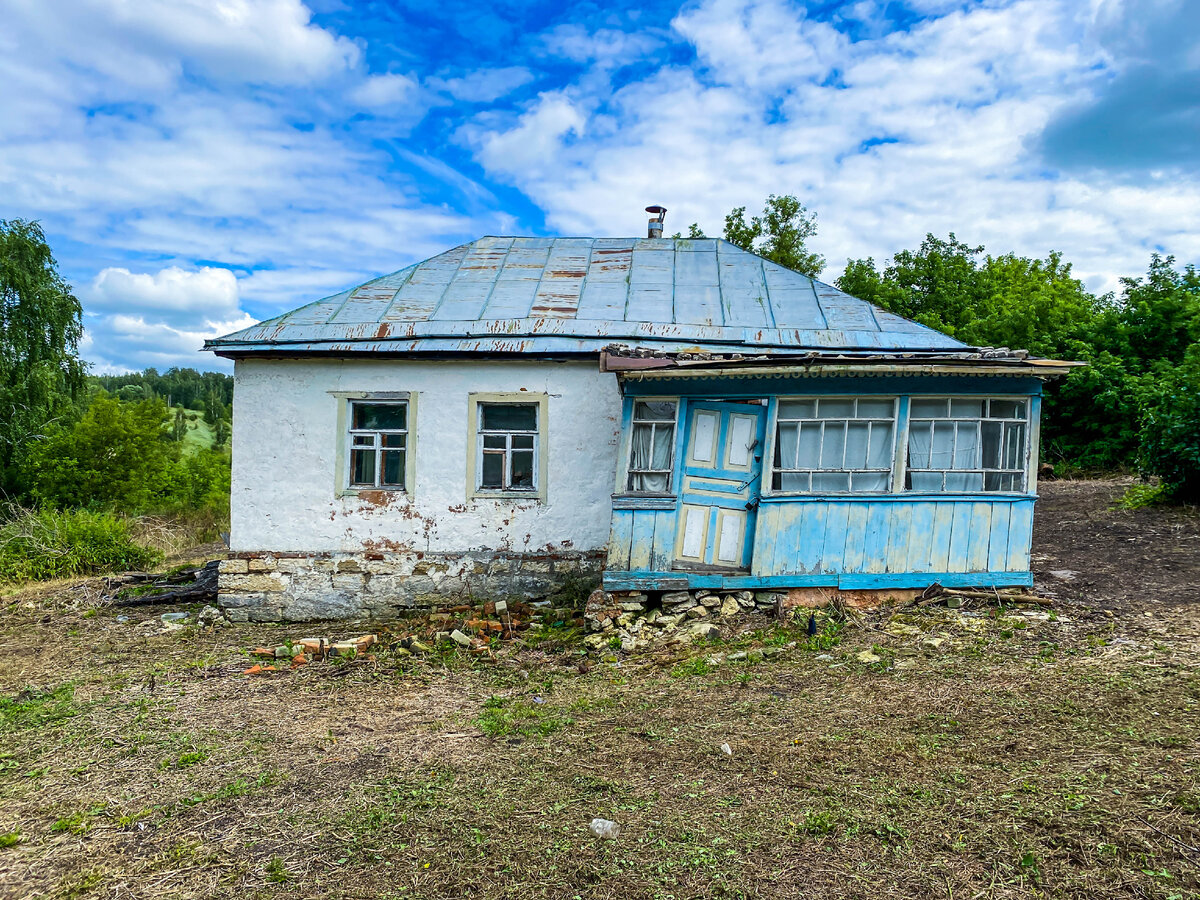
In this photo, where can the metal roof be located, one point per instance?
(580, 295)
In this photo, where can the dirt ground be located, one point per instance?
(1040, 752)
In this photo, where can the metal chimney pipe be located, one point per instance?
(655, 227)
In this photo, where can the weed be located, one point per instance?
(10, 838)
(81, 884)
(815, 823)
(502, 717)
(696, 665)
(36, 708)
(275, 871)
(185, 760)
(239, 787)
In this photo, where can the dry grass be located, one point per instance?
(1051, 762)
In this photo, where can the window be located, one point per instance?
(966, 444)
(652, 446)
(833, 444)
(508, 446)
(378, 444)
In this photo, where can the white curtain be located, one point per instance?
(650, 449)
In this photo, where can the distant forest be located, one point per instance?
(188, 388)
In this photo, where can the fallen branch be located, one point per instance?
(1001, 598)
(191, 594)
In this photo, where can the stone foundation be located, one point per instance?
(269, 587)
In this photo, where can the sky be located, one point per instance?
(199, 165)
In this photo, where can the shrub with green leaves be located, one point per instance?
(49, 544)
(1171, 432)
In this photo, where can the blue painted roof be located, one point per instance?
(581, 295)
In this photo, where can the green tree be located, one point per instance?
(780, 234)
(1171, 430)
(41, 322)
(118, 454)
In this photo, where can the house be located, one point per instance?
(664, 413)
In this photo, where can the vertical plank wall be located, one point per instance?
(883, 536)
(873, 540)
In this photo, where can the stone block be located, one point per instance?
(348, 583)
(232, 567)
(265, 584)
(674, 598)
(348, 566)
(293, 565)
(260, 564)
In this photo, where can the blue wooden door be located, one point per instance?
(722, 480)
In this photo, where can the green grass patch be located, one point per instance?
(501, 717)
(36, 708)
(10, 838)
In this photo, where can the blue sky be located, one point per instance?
(199, 165)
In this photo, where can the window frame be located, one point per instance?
(476, 434)
(627, 471)
(893, 477)
(343, 471)
(1026, 485)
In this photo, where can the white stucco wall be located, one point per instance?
(286, 441)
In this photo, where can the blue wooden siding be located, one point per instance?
(877, 536)
(856, 542)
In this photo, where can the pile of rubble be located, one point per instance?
(634, 620)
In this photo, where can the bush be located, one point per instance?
(49, 544)
(1171, 433)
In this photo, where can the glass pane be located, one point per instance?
(509, 416)
(925, 481)
(791, 481)
(655, 410)
(834, 444)
(964, 481)
(522, 469)
(395, 440)
(966, 409)
(1007, 409)
(920, 445)
(785, 446)
(522, 441)
(494, 442)
(362, 467)
(927, 407)
(797, 409)
(364, 440)
(832, 409)
(856, 445)
(378, 416)
(876, 409)
(870, 481)
(664, 443)
(880, 454)
(991, 444)
(809, 449)
(966, 452)
(941, 452)
(493, 470)
(1014, 446)
(830, 481)
(393, 468)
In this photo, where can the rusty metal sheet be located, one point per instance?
(552, 295)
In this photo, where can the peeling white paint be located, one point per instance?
(285, 445)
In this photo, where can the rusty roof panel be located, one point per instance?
(548, 295)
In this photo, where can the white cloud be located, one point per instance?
(533, 141)
(161, 319)
(384, 90)
(483, 85)
(208, 294)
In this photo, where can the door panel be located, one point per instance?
(720, 485)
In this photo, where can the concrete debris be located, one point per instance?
(867, 657)
(727, 750)
(459, 638)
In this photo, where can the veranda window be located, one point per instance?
(378, 439)
(652, 446)
(967, 444)
(508, 446)
(834, 445)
